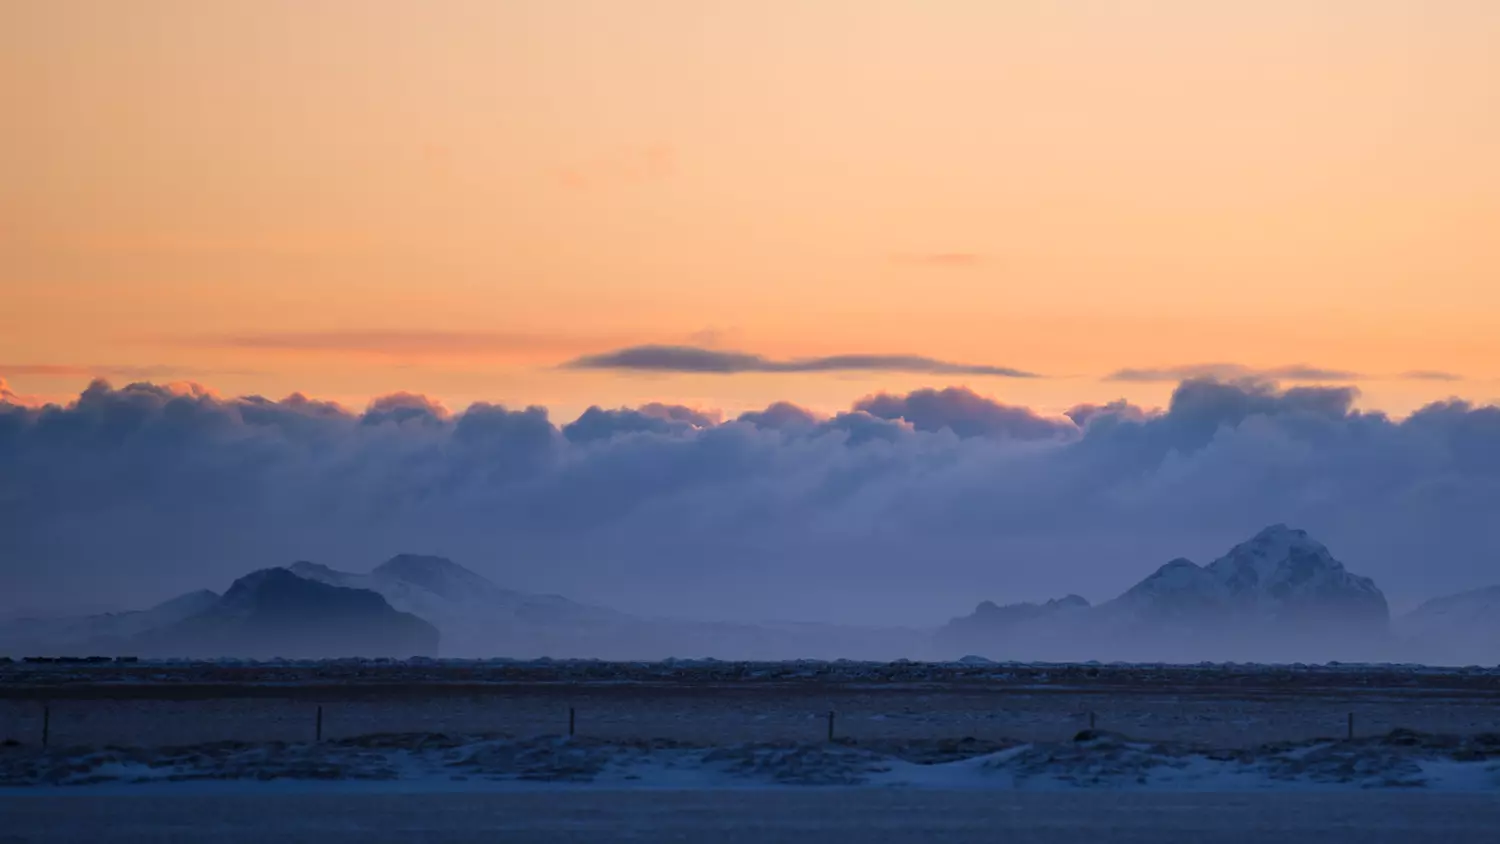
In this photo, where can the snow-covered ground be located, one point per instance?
(1091, 760)
(806, 816)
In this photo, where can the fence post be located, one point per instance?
(1351, 726)
(572, 721)
(319, 735)
(1091, 720)
(46, 723)
(830, 725)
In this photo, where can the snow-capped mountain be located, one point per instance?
(1462, 629)
(1280, 575)
(1278, 596)
(275, 613)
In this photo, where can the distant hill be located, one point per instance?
(481, 619)
(1462, 629)
(104, 634)
(275, 613)
(477, 617)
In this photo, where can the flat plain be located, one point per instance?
(169, 704)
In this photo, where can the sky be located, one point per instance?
(723, 205)
(453, 198)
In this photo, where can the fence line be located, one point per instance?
(709, 724)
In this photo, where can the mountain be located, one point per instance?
(1017, 631)
(477, 618)
(1279, 596)
(103, 634)
(275, 613)
(1462, 629)
(480, 619)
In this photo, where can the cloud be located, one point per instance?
(597, 423)
(965, 413)
(941, 259)
(1233, 371)
(695, 359)
(392, 342)
(905, 509)
(1429, 375)
(1081, 414)
(780, 415)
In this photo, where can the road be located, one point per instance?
(801, 816)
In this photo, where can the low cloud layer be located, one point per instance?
(1294, 372)
(1233, 371)
(904, 509)
(695, 359)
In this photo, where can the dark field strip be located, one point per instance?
(356, 679)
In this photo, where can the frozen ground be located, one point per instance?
(790, 816)
(1090, 760)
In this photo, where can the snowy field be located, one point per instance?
(818, 816)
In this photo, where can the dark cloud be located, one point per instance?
(906, 509)
(782, 414)
(402, 408)
(1117, 409)
(1234, 371)
(966, 414)
(695, 359)
(597, 423)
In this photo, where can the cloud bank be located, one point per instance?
(695, 359)
(904, 509)
(1233, 371)
(1294, 372)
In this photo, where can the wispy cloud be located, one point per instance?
(695, 359)
(395, 342)
(1293, 372)
(1233, 371)
(1429, 375)
(940, 259)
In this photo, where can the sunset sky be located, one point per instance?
(348, 199)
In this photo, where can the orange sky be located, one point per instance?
(351, 198)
